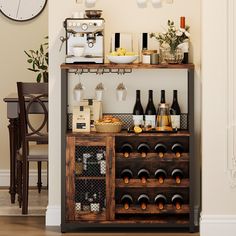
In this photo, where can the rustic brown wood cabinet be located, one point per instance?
(92, 184)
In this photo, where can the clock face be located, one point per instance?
(22, 10)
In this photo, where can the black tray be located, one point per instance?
(130, 130)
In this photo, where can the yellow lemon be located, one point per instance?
(137, 129)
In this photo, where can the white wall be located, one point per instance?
(120, 16)
(218, 196)
(15, 38)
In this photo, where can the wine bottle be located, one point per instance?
(177, 174)
(78, 200)
(126, 200)
(143, 174)
(177, 200)
(95, 204)
(163, 97)
(126, 175)
(150, 113)
(175, 111)
(143, 149)
(177, 148)
(126, 149)
(143, 201)
(185, 45)
(161, 149)
(161, 175)
(160, 200)
(138, 110)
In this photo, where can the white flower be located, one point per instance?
(182, 29)
(179, 33)
(164, 32)
(187, 34)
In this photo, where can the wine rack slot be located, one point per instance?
(152, 209)
(152, 183)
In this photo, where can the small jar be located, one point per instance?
(154, 60)
(146, 56)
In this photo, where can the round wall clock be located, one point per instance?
(22, 10)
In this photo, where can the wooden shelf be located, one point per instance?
(126, 134)
(90, 177)
(88, 215)
(153, 155)
(151, 183)
(126, 66)
(152, 209)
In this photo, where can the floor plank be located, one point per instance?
(35, 225)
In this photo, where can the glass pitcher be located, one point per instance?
(163, 118)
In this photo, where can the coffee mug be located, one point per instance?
(78, 51)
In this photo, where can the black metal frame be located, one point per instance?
(83, 226)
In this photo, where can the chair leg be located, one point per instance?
(39, 184)
(19, 182)
(25, 187)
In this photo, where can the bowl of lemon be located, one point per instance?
(121, 56)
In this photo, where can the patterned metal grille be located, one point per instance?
(127, 120)
(90, 185)
(90, 161)
(90, 195)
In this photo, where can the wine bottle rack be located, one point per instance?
(152, 186)
(82, 212)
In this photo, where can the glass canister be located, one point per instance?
(163, 118)
(146, 56)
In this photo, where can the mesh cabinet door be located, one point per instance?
(87, 179)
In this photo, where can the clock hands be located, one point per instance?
(18, 8)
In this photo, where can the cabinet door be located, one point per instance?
(87, 178)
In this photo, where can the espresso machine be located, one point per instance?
(88, 34)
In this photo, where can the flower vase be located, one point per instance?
(173, 56)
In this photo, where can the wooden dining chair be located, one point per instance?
(33, 99)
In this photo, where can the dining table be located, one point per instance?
(14, 135)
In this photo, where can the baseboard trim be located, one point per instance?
(53, 215)
(33, 178)
(218, 225)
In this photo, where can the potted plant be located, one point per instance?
(39, 61)
(171, 40)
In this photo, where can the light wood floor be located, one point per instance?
(35, 226)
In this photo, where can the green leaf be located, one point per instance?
(43, 67)
(29, 60)
(41, 48)
(27, 54)
(39, 78)
(34, 70)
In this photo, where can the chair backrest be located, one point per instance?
(33, 99)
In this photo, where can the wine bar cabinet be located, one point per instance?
(127, 180)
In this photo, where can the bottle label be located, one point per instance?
(184, 46)
(138, 119)
(103, 167)
(150, 121)
(175, 121)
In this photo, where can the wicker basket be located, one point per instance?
(108, 127)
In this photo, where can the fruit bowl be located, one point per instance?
(122, 59)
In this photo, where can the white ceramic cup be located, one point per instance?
(121, 95)
(78, 94)
(99, 95)
(90, 3)
(78, 50)
(142, 3)
(156, 3)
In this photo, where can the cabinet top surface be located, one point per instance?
(126, 66)
(125, 133)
